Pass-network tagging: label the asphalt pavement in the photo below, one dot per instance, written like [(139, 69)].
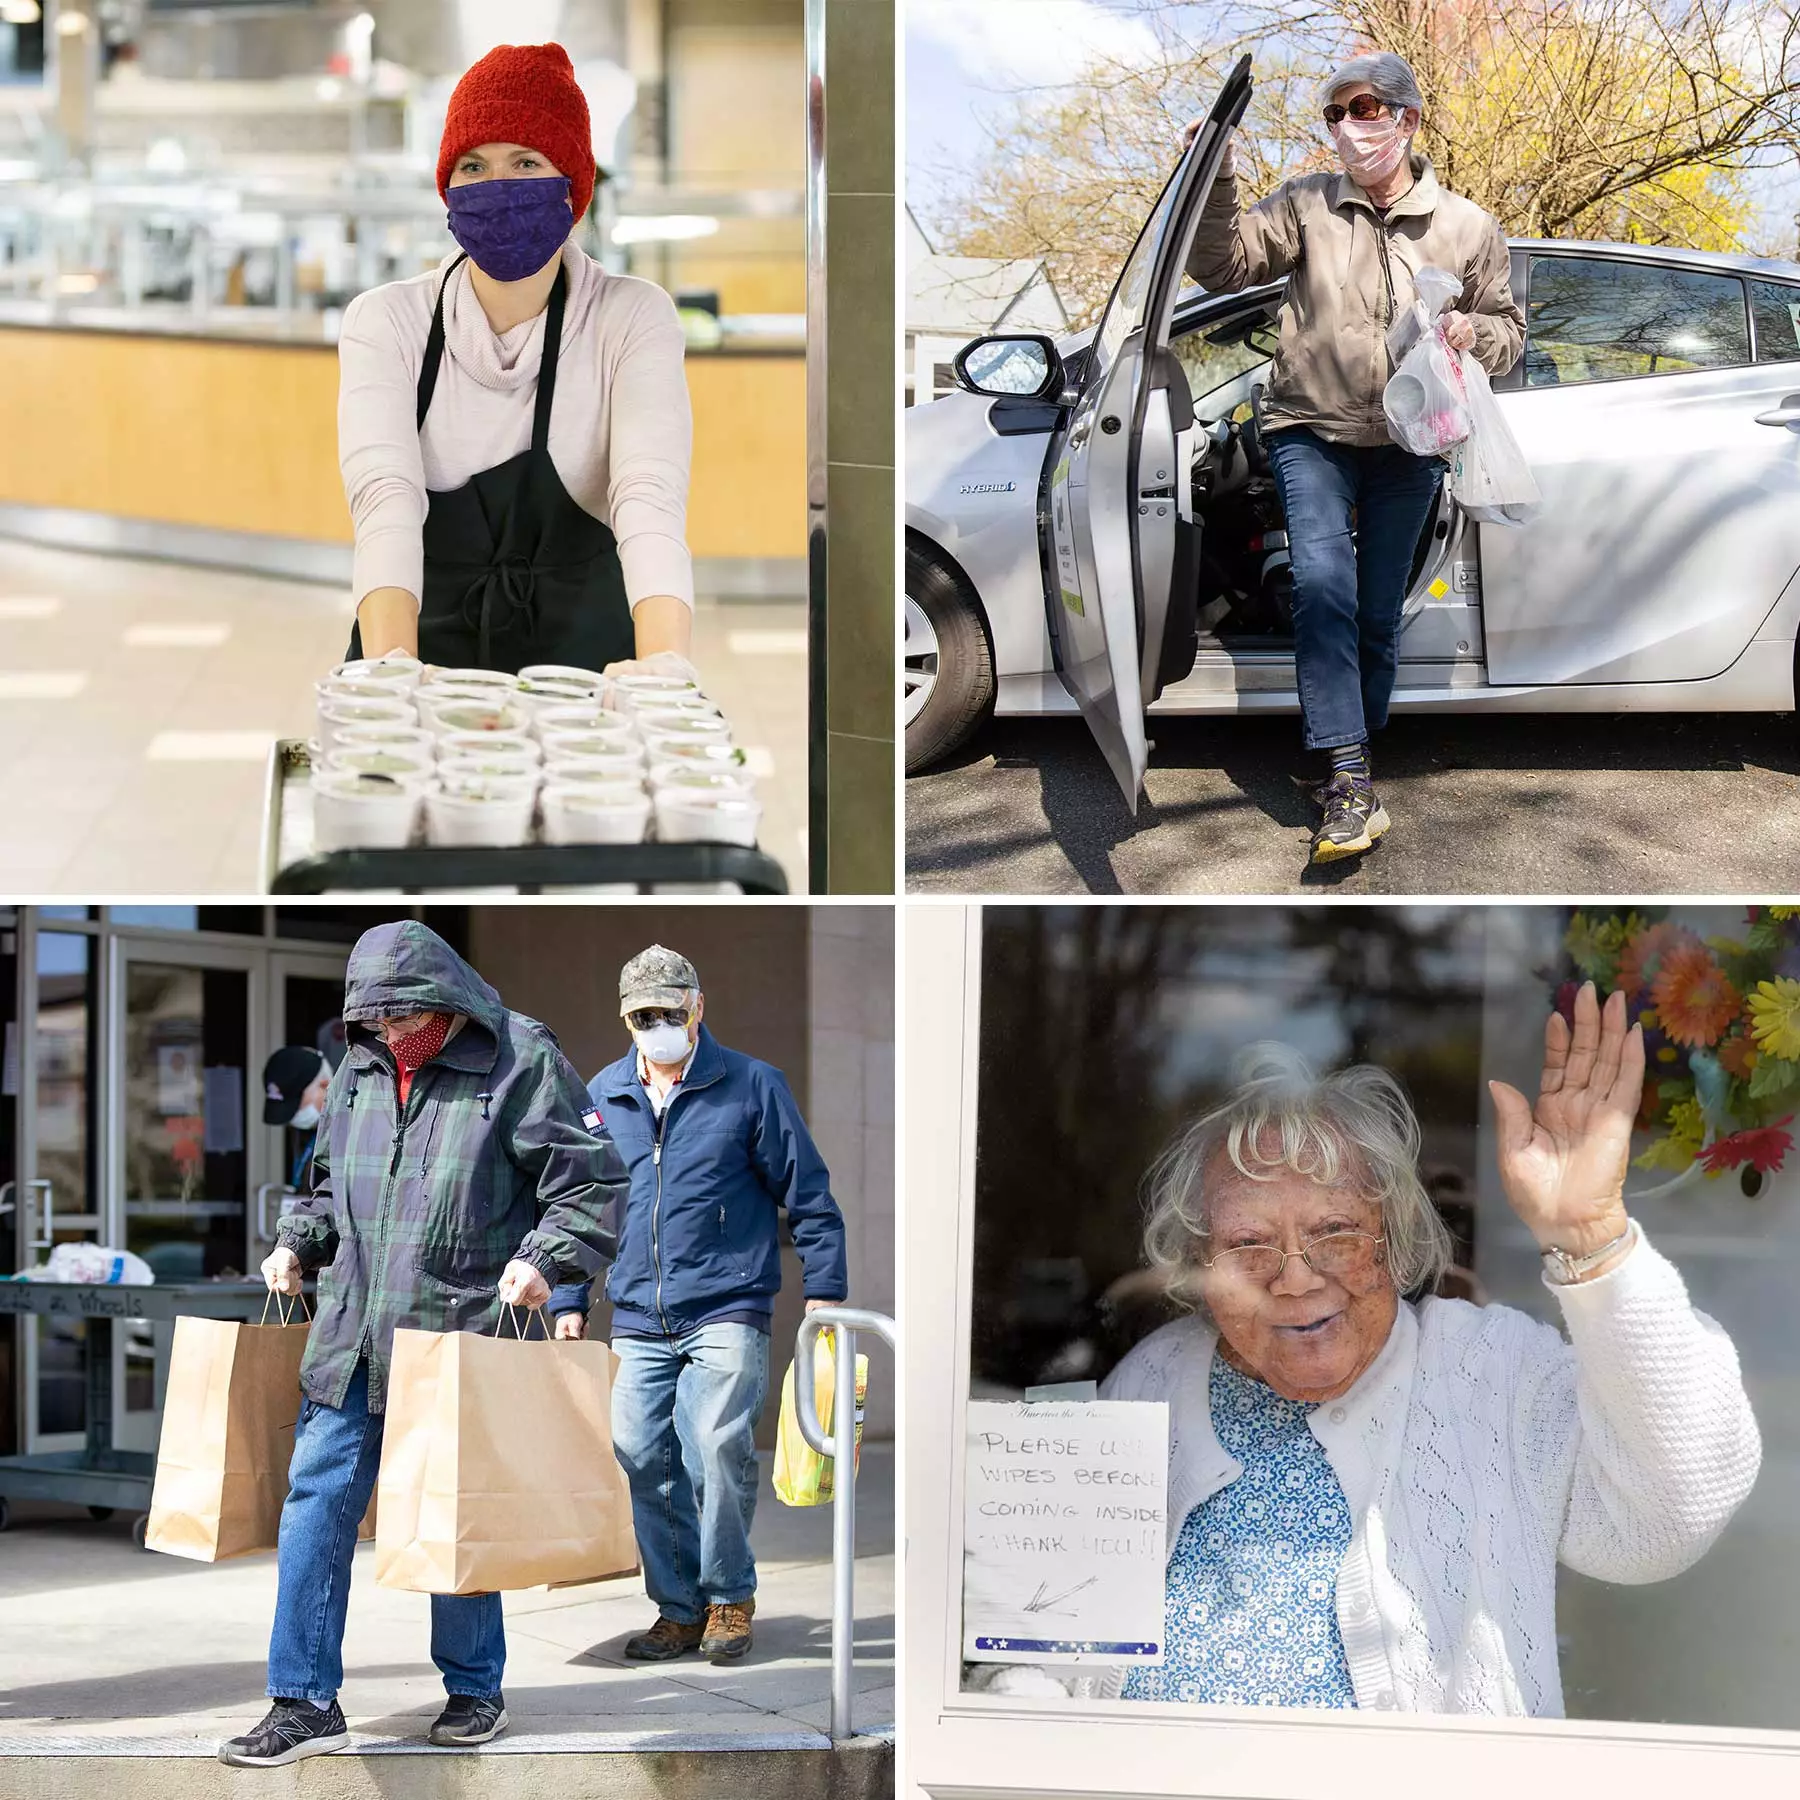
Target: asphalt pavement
[(1516, 804)]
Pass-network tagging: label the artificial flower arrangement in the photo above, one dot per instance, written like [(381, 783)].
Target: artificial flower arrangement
[(1721, 1019)]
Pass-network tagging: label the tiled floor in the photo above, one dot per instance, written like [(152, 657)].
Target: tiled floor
[(138, 701)]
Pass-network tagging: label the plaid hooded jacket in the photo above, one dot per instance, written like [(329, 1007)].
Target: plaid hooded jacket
[(414, 1212)]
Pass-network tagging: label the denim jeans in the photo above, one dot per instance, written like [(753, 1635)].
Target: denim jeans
[(337, 1453), (684, 1411), (1348, 594)]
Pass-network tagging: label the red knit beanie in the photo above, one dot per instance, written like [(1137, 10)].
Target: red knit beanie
[(523, 94)]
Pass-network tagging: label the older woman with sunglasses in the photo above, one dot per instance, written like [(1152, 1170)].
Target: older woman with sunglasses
[(1350, 243), (1369, 1488)]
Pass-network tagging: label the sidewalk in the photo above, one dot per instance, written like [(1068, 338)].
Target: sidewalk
[(109, 1651)]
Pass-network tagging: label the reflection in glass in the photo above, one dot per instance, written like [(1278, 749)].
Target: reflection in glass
[(1775, 307), (1597, 319), (185, 1056)]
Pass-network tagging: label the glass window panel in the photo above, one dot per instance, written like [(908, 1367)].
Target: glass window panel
[(66, 1027), (332, 924), (1601, 319), (1776, 306), (1104, 1031), (185, 1119), (246, 921)]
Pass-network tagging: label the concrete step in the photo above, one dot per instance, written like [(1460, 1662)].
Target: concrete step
[(759, 1765)]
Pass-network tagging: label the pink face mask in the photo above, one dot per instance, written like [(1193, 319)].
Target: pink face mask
[(1369, 149)]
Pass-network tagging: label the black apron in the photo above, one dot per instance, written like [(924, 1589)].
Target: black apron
[(515, 572)]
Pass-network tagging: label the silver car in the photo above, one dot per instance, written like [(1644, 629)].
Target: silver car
[(1092, 525)]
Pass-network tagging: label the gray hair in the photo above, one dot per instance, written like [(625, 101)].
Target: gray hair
[(1389, 76), (1354, 1126)]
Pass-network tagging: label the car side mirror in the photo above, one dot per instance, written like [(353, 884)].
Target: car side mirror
[(1010, 368)]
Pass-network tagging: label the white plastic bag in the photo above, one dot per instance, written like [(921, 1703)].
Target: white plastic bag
[(1426, 400), (1489, 477), (1435, 289), (94, 1265)]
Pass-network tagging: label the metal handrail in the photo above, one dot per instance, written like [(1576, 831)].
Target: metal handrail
[(843, 1322)]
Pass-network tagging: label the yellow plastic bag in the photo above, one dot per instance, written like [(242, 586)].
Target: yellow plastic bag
[(802, 1476)]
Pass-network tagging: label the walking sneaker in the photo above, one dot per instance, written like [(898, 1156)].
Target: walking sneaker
[(1353, 821), (728, 1630), (664, 1641), (292, 1729), (470, 1719)]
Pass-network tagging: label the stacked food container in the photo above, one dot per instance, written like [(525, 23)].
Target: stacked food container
[(471, 757)]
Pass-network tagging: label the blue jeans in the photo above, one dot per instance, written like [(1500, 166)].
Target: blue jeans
[(337, 1453), (684, 1412), (1348, 594)]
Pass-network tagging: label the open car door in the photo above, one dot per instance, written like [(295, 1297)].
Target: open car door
[(1121, 593)]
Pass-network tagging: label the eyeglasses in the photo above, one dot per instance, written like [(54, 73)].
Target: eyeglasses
[(1362, 106), (1337, 1255), (649, 1017)]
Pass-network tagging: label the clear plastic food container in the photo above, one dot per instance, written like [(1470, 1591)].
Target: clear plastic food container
[(481, 811), (614, 812), (684, 816)]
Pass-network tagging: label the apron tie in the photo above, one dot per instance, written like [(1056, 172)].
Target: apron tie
[(501, 591)]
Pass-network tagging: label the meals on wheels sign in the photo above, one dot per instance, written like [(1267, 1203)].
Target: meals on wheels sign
[(1066, 1511)]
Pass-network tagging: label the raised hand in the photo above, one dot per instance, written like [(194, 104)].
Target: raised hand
[(1563, 1161)]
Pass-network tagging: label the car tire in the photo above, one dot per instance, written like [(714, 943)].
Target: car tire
[(947, 645)]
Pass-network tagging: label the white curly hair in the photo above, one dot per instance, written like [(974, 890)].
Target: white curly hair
[(1354, 1126)]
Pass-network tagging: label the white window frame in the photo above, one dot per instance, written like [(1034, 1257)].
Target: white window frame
[(956, 1746)]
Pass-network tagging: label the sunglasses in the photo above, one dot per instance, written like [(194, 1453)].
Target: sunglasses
[(649, 1017), (1364, 106)]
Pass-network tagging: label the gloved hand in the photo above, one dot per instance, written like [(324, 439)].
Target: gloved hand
[(571, 1325), (281, 1270), (522, 1284), (658, 662), (1228, 166), (1459, 331)]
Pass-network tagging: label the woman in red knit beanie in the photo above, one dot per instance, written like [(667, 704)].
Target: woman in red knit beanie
[(514, 427)]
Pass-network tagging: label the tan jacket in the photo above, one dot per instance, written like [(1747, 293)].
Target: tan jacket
[(1350, 272)]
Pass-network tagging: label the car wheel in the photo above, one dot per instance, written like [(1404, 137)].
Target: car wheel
[(947, 679)]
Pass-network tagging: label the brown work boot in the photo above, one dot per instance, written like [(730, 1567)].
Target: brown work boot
[(664, 1641), (728, 1630)]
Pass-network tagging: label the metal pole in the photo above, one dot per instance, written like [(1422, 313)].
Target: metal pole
[(843, 1531), (843, 1322)]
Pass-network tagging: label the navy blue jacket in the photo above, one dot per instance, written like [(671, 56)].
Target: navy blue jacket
[(699, 1240)]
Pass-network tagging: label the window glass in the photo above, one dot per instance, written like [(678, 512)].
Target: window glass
[(1104, 1033), (1217, 356), (1601, 319), (246, 921), (1776, 306)]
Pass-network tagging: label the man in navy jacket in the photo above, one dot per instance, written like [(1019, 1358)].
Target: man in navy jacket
[(715, 1145)]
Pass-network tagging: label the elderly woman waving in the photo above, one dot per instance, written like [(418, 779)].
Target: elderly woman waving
[(1369, 1494), (1350, 244)]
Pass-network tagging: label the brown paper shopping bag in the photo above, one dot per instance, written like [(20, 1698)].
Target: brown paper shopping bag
[(497, 1466), (229, 1408)]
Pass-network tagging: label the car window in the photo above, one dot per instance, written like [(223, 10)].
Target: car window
[(1601, 319), (1776, 307), (1215, 356)]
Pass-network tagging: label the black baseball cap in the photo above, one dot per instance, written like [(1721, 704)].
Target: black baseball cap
[(286, 1076)]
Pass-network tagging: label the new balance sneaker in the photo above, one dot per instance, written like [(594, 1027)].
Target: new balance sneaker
[(291, 1730), (728, 1630), (470, 1719), (664, 1641), (1353, 820)]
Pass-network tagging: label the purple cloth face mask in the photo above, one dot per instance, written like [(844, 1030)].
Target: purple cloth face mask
[(511, 227)]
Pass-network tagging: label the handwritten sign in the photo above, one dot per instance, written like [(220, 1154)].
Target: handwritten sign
[(1065, 1529)]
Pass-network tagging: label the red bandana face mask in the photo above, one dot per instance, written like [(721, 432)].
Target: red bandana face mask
[(418, 1047)]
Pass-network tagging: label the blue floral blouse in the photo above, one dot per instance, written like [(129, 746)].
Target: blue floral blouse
[(1252, 1587)]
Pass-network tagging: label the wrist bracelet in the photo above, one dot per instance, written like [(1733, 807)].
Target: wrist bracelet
[(1563, 1267)]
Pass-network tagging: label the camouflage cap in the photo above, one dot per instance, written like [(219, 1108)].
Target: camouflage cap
[(656, 977)]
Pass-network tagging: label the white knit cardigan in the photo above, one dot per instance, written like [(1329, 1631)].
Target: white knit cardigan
[(1478, 1450)]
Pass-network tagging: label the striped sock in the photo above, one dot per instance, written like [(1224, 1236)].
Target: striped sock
[(1350, 759)]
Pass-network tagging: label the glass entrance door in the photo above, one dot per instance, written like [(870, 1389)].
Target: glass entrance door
[(180, 1144), (306, 1004), (56, 1193)]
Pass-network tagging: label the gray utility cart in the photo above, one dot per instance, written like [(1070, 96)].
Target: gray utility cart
[(292, 863), (97, 1476)]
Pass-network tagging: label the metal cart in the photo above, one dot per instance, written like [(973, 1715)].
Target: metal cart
[(98, 1476), (291, 863)]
